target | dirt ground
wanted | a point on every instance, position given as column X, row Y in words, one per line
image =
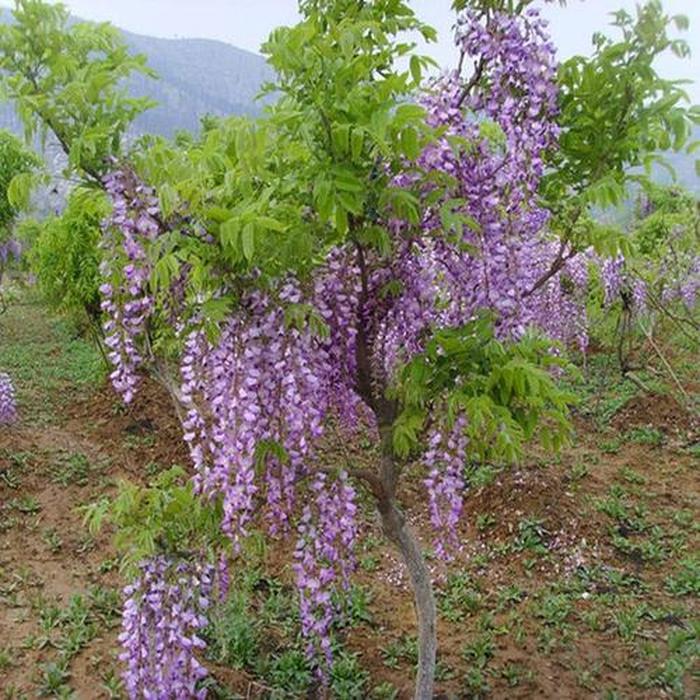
column 579, row 576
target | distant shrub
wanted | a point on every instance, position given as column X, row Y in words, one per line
column 64, row 254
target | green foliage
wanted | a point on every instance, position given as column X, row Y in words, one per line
column 348, row 680
column 507, row 391
column 64, row 253
column 69, row 78
column 687, row 580
column 276, row 194
column 17, row 166
column 616, row 113
column 666, row 238
column 233, row 632
column 164, row 517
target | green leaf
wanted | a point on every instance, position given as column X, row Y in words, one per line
column 248, row 241
column 409, row 143
column 167, row 198
column 19, row 190
column 416, row 69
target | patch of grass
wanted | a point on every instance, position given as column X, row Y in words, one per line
column 509, row 597
column 6, row 658
column 233, row 632
column 348, row 680
column 53, row 540
column 459, row 598
column 480, row 475
column 515, row 673
column 579, row 471
column 480, row 650
column 485, row 521
column 48, row 359
column 53, row 679
column 289, row 674
column 404, row 649
column 553, row 608
column 355, row 604
column 645, row 436
column 632, row 477
column 531, row 535
column 683, row 651
column 651, row 548
column 611, row 446
column 28, row 505
column 687, row 580
column 14, row 465
column 385, row 691
column 71, row 469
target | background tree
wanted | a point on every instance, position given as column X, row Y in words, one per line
column 67, row 78
column 64, row 254
column 17, row 163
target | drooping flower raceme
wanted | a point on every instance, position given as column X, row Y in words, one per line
column 126, row 270
column 8, row 404
column 10, row 249
column 323, row 557
column 163, row 616
column 445, row 459
column 256, row 401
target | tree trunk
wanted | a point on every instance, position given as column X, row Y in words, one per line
column 400, row 534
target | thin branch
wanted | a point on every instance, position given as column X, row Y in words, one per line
column 476, row 77
column 666, row 363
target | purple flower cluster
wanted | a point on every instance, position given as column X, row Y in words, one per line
column 164, row 612
column 494, row 260
column 445, row 459
column 323, row 556
column 126, row 270
column 8, row 404
column 689, row 289
column 612, row 271
column 680, row 280
column 257, row 398
column 10, row 248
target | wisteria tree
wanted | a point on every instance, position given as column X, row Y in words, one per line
column 384, row 254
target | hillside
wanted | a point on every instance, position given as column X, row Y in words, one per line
column 186, row 88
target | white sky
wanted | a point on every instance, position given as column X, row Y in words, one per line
column 246, row 23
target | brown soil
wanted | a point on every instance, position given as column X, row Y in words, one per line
column 658, row 411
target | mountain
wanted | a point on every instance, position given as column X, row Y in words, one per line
column 188, row 88
column 195, row 77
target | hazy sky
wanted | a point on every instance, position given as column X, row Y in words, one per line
column 246, row 23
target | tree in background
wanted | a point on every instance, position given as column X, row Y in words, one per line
column 376, row 254
column 657, row 283
column 64, row 254
column 67, row 79
column 16, row 163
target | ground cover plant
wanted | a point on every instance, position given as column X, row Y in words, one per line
column 360, row 305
